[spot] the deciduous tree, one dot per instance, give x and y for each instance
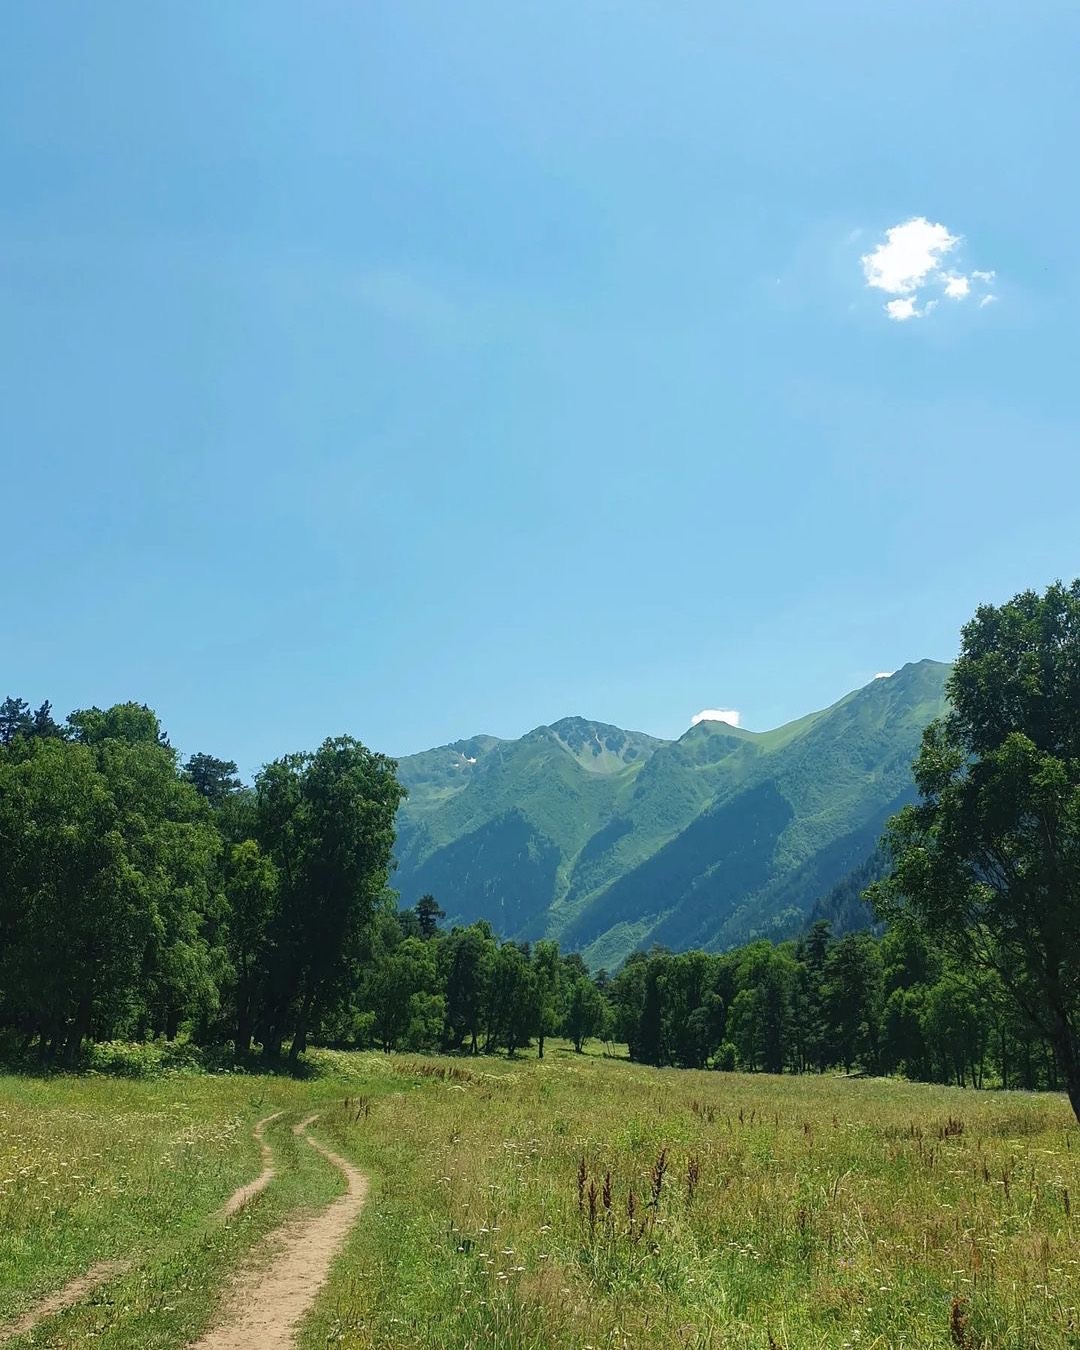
(988, 861)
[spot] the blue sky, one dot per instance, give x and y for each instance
(415, 370)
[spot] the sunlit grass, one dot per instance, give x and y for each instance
(815, 1211)
(96, 1169)
(713, 1210)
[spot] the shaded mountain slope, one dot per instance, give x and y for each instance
(610, 839)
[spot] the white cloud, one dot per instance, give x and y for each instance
(987, 300)
(729, 715)
(957, 286)
(901, 310)
(908, 309)
(909, 260)
(884, 674)
(910, 253)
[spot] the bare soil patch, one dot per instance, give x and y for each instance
(268, 1307)
(72, 1292)
(243, 1194)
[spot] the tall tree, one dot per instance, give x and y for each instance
(511, 1011)
(74, 924)
(429, 914)
(469, 956)
(547, 979)
(327, 822)
(42, 722)
(214, 779)
(252, 890)
(106, 867)
(988, 861)
(15, 719)
(402, 980)
(851, 997)
(584, 1011)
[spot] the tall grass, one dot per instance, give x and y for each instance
(573, 1202)
(96, 1168)
(576, 1203)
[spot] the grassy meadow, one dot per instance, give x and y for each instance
(575, 1202)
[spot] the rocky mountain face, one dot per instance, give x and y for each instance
(611, 840)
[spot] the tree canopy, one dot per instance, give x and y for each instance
(987, 862)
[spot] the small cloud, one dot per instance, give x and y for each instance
(908, 309)
(910, 260)
(910, 253)
(884, 674)
(901, 310)
(957, 286)
(729, 715)
(987, 300)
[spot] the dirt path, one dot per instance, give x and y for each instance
(72, 1292)
(243, 1194)
(83, 1285)
(269, 1307)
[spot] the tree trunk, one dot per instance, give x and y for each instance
(1068, 1059)
(299, 1040)
(243, 1035)
(299, 1044)
(80, 1029)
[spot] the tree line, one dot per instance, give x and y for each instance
(140, 896)
(889, 1005)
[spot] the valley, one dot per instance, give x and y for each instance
(611, 840)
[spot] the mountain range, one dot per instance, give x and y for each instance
(612, 840)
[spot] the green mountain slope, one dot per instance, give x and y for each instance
(609, 839)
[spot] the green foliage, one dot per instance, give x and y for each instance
(429, 913)
(987, 863)
(105, 883)
(327, 821)
(607, 840)
(214, 779)
(586, 1012)
(857, 1003)
(137, 900)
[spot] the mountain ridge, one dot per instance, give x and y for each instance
(609, 839)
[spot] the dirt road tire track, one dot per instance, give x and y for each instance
(243, 1194)
(82, 1286)
(267, 1308)
(73, 1292)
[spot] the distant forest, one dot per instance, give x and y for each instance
(143, 898)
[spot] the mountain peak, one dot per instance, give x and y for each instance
(610, 840)
(601, 747)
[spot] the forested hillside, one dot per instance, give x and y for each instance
(142, 897)
(611, 840)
